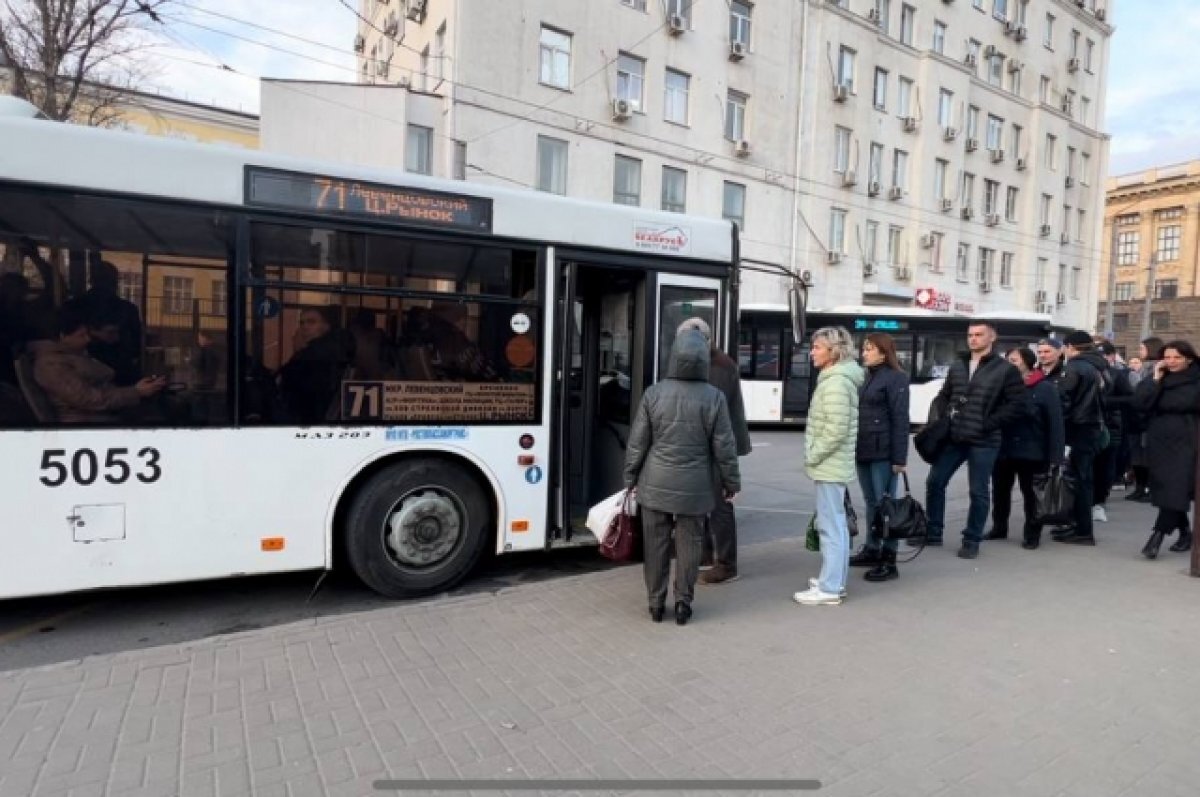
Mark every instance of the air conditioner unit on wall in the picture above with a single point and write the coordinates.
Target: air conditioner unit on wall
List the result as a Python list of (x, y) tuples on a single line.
[(833, 257), (1060, 298), (621, 109), (926, 241), (416, 11), (910, 124), (947, 204), (972, 144), (950, 133), (997, 156), (676, 24), (873, 15), (992, 219), (1021, 34), (849, 178), (841, 92), (868, 269), (360, 44), (1044, 230), (903, 273), (895, 192), (1101, 13), (971, 60), (741, 148), (1046, 308), (985, 286), (968, 213), (1020, 164), (1072, 64), (873, 188), (737, 51), (1039, 297)]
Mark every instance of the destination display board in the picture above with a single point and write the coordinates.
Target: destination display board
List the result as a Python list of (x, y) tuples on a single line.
[(439, 402)]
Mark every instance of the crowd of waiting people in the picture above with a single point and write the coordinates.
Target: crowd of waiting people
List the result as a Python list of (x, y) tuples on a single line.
[(1069, 403)]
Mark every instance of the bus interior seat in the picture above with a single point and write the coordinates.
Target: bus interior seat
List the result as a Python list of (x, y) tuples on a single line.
[(35, 397)]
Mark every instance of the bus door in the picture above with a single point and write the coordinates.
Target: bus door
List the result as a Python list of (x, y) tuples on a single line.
[(602, 357), (678, 299), (798, 383)]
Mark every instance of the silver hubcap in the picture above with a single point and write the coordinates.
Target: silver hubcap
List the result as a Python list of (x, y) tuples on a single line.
[(424, 527)]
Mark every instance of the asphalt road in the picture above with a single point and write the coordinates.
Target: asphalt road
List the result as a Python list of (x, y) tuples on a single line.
[(775, 503)]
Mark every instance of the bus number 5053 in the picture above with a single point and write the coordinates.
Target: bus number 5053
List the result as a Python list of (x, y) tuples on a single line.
[(84, 466)]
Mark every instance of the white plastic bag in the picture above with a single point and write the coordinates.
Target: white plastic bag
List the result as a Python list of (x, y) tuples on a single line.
[(600, 517)]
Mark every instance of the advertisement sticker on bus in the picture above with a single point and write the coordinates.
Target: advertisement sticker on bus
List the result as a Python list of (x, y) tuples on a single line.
[(672, 239)]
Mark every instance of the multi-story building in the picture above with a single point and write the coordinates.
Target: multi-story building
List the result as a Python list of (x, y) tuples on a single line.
[(881, 145), (1153, 220)]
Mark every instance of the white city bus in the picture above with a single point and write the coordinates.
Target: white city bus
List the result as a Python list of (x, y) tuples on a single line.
[(396, 369), (777, 377)]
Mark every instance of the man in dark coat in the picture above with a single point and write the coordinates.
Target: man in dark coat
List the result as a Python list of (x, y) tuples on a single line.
[(720, 539), (982, 393), (1081, 391), (680, 435), (1117, 392)]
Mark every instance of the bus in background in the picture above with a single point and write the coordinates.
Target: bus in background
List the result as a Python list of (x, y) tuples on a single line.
[(777, 377), (223, 362)]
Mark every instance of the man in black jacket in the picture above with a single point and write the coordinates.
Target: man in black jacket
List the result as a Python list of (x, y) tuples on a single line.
[(1118, 391), (982, 393), (1081, 390)]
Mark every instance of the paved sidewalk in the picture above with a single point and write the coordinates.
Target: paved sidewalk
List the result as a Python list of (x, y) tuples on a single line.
[(1064, 671)]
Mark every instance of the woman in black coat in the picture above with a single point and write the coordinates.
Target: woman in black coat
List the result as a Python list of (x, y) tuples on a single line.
[(881, 448), (1171, 402), (1149, 352), (1030, 445)]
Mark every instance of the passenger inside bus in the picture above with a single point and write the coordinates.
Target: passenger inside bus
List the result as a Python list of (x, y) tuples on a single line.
[(453, 355), (310, 380), (374, 352), (80, 388)]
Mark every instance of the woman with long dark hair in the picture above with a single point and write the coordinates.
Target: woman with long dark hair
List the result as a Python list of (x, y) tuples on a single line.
[(1171, 402), (1029, 445), (1149, 352), (881, 449)]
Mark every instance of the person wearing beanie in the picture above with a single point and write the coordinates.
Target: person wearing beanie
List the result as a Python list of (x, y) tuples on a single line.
[(1081, 390), (719, 545), (1050, 359)]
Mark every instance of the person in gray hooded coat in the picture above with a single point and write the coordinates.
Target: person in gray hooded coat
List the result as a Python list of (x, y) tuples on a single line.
[(680, 437)]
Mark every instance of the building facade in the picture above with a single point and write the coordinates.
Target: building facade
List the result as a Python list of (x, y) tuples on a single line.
[(1152, 255), (879, 145)]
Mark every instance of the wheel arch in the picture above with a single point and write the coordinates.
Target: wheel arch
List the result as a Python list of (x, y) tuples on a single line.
[(344, 497)]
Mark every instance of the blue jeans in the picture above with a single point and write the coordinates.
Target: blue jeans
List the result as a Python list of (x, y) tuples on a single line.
[(980, 462), (877, 480), (835, 536)]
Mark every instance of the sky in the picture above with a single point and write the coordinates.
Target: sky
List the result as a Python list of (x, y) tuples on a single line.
[(1153, 104)]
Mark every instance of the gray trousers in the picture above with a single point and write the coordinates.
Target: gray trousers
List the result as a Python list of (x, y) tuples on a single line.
[(720, 540), (657, 531)]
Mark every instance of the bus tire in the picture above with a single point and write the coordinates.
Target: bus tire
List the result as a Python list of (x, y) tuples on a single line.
[(416, 528)]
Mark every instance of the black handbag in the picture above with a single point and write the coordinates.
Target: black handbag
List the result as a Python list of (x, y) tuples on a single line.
[(1055, 494), (900, 518), (851, 515), (932, 438)]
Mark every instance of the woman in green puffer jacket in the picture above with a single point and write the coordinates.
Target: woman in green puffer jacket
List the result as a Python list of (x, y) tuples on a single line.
[(829, 439)]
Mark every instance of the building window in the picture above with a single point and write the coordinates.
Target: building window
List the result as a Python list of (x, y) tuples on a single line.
[(675, 102), (1127, 248), (1044, 89), (876, 164), (129, 287), (1082, 223), (739, 22), (178, 295), (681, 8), (837, 230), (973, 47), (972, 122), (554, 58), (905, 98), (939, 38), (986, 261), (1166, 289), (968, 189), (841, 150), (1074, 43), (895, 247), (991, 197), (1014, 80), (1006, 270), (908, 24), (1039, 276), (552, 165), (995, 133), (881, 82), (1010, 203), (996, 69), (883, 10), (1051, 152), (962, 262), (627, 181), (733, 204), (1062, 279), (1044, 214), (674, 190), (871, 248), (1000, 10), (735, 116), (1123, 292), (218, 293), (1168, 243), (439, 52), (1075, 272), (631, 78), (459, 166), (418, 150), (1120, 322), (1048, 32), (945, 108), (935, 252), (940, 169), (1071, 162), (1128, 219), (1160, 321), (900, 169), (425, 68), (1089, 53), (1015, 144), (1085, 111), (846, 58)]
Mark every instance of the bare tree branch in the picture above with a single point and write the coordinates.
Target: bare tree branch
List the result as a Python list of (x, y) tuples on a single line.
[(76, 59)]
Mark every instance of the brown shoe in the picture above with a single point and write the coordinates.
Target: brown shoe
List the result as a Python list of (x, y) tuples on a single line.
[(719, 574)]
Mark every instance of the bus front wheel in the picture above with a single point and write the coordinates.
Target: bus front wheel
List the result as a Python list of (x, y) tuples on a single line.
[(416, 527)]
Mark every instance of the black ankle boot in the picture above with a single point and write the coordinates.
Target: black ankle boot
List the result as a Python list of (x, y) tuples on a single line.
[(885, 570), (1031, 538), (1184, 543), (683, 613), (656, 614), (1150, 551), (998, 532), (866, 557)]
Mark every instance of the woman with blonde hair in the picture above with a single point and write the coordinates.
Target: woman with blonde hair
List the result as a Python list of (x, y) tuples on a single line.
[(829, 439)]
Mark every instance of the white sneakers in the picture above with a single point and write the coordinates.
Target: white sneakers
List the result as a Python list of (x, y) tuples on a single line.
[(815, 597), (1099, 515), (815, 583)]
